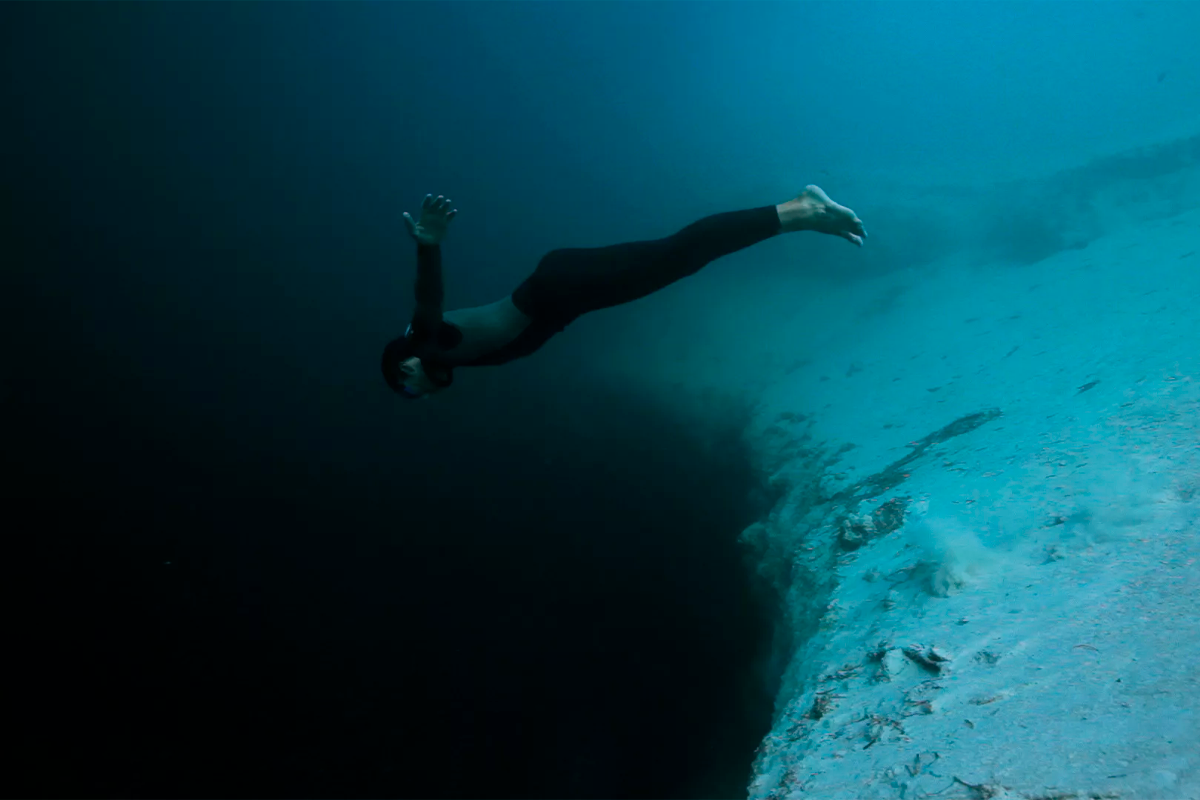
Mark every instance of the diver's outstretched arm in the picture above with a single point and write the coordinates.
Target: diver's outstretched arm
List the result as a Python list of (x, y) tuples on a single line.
[(428, 231)]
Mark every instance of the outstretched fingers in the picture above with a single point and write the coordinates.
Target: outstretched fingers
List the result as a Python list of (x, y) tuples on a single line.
[(438, 205)]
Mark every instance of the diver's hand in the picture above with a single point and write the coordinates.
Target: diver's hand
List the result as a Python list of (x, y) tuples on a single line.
[(435, 217)]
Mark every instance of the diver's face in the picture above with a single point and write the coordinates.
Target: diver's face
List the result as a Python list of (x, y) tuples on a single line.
[(416, 383)]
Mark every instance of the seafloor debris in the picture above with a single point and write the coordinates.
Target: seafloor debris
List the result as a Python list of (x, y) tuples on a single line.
[(846, 672), (879, 726), (920, 762), (855, 530), (822, 704), (931, 658), (897, 472), (995, 791), (988, 657)]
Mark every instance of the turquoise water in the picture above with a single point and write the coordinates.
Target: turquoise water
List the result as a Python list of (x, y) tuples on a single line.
[(273, 578)]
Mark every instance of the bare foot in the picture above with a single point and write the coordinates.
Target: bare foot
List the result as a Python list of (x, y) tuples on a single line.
[(812, 210)]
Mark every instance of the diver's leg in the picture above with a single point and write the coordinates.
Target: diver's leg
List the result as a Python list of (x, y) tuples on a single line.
[(571, 282), (574, 281), (813, 210)]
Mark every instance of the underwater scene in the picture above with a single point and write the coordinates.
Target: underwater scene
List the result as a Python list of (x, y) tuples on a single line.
[(602, 400)]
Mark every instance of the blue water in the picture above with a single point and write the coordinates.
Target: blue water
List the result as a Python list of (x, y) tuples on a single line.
[(267, 576)]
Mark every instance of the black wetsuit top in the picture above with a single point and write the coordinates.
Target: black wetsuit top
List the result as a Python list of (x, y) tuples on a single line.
[(566, 284)]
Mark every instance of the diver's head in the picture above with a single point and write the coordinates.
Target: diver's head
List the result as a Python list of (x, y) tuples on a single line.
[(417, 382), (409, 376)]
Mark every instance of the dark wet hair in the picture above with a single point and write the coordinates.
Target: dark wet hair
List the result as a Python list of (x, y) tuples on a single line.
[(396, 352)]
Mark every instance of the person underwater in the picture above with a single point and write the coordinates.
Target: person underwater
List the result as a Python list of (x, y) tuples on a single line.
[(569, 283)]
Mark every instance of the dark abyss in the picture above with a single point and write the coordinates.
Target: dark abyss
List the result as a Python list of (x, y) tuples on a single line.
[(237, 565)]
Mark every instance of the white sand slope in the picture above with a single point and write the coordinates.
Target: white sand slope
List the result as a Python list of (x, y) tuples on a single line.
[(988, 538)]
